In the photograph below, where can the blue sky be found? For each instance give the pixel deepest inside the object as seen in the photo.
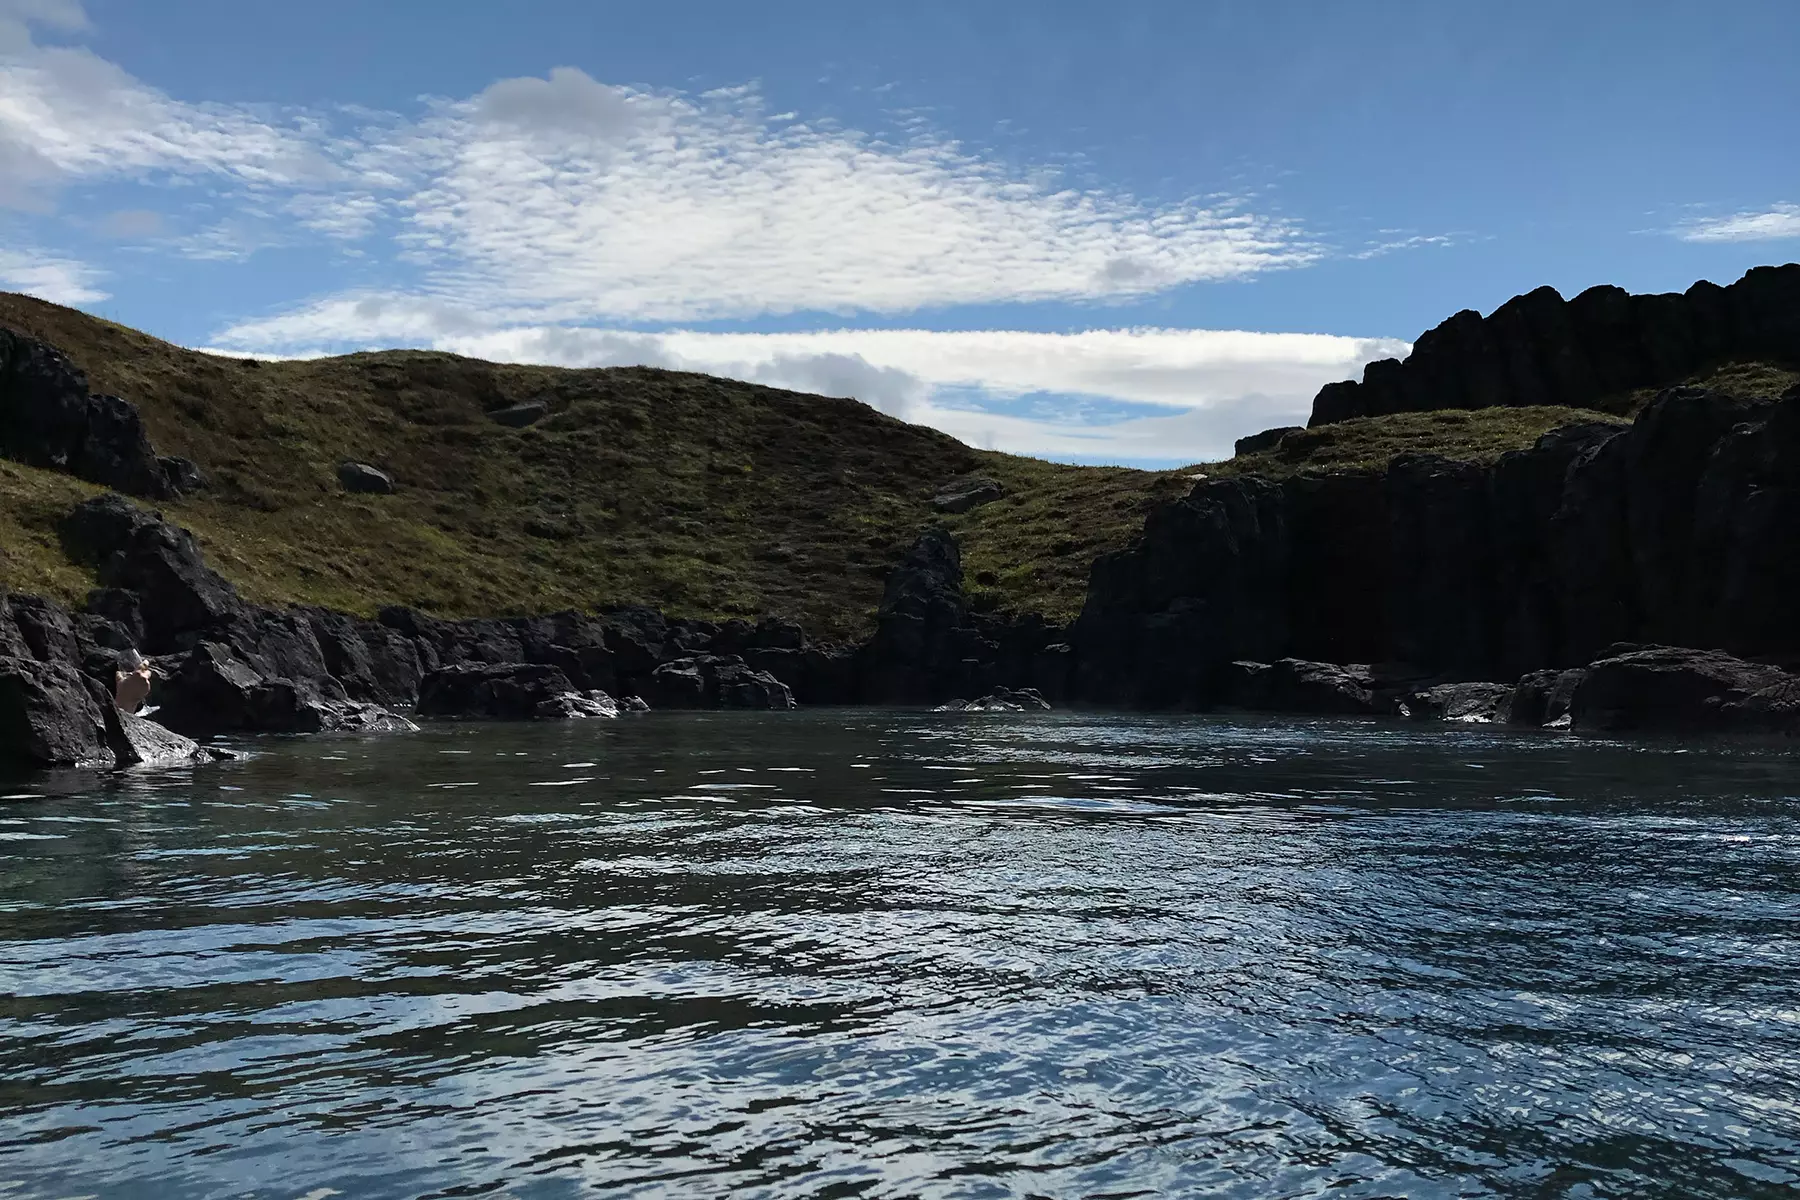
(1125, 232)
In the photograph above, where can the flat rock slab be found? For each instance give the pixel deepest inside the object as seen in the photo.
(517, 416)
(967, 494)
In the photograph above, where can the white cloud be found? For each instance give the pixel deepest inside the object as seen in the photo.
(1779, 221)
(612, 205)
(58, 280)
(17, 17)
(567, 103)
(1219, 385)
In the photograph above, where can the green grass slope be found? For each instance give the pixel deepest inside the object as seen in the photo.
(702, 496)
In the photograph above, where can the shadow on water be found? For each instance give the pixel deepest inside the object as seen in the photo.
(867, 953)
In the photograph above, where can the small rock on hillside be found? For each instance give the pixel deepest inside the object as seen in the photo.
(517, 416)
(363, 479)
(966, 494)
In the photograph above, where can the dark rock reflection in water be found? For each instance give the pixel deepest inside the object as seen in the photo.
(890, 954)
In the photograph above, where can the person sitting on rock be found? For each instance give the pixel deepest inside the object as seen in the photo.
(131, 684)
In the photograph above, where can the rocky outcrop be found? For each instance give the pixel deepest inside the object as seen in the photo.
(1683, 528)
(1538, 349)
(48, 418)
(51, 716)
(1001, 700)
(715, 681)
(1542, 698)
(1268, 439)
(212, 689)
(173, 593)
(1471, 703)
(1668, 688)
(508, 692)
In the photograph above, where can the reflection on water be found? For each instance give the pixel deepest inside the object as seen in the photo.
(888, 954)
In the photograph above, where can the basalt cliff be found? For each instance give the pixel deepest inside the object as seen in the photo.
(1607, 575)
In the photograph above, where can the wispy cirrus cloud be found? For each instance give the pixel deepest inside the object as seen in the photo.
(1777, 222)
(582, 200)
(540, 218)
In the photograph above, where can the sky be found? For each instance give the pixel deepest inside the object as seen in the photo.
(1128, 232)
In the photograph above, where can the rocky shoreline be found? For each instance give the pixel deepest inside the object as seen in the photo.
(1607, 578)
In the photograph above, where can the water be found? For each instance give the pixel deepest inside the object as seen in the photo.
(889, 954)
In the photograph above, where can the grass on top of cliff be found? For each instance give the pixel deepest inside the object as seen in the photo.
(702, 496)
(1371, 443)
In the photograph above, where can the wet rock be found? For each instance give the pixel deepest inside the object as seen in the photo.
(1670, 688)
(1295, 685)
(716, 681)
(139, 742)
(508, 692)
(517, 416)
(361, 478)
(1469, 703)
(965, 494)
(212, 690)
(52, 716)
(49, 419)
(1000, 700)
(1542, 697)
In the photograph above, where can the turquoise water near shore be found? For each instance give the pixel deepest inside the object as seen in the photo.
(857, 953)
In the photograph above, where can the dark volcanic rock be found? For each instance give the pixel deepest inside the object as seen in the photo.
(1268, 439)
(1539, 349)
(137, 742)
(1297, 686)
(1474, 703)
(49, 419)
(715, 681)
(160, 563)
(925, 648)
(1206, 584)
(361, 477)
(1678, 689)
(47, 630)
(1543, 697)
(508, 692)
(212, 690)
(182, 475)
(517, 416)
(966, 494)
(1001, 700)
(52, 716)
(1683, 528)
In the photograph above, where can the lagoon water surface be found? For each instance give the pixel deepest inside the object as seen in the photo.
(855, 953)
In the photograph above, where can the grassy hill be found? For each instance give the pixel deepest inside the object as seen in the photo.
(702, 496)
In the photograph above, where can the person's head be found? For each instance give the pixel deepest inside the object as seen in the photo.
(135, 663)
